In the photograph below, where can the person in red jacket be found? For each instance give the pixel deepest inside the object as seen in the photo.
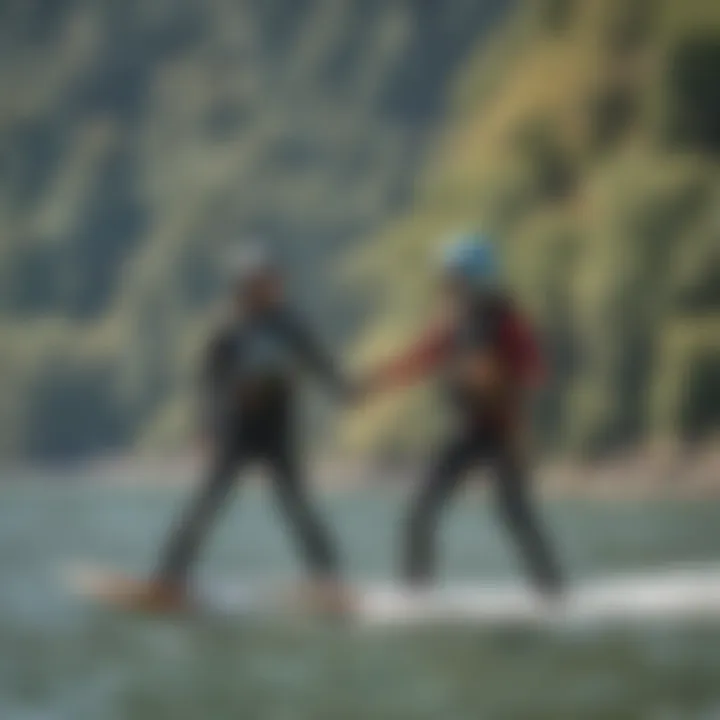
(489, 360)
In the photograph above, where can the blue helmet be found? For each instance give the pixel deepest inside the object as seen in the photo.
(471, 258)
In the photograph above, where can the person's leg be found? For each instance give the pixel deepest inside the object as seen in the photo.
(520, 516)
(445, 473)
(187, 536)
(314, 540)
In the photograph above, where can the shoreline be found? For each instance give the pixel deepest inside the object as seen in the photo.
(640, 474)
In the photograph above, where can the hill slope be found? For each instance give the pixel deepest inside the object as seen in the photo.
(586, 138)
(139, 140)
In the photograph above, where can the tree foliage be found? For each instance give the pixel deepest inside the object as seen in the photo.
(584, 139)
(139, 140)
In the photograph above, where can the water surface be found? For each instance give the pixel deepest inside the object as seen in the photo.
(60, 658)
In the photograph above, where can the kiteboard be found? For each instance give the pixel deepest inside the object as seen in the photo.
(681, 593)
(116, 589)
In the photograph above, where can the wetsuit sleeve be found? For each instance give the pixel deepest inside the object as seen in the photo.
(313, 355)
(417, 362)
(215, 372)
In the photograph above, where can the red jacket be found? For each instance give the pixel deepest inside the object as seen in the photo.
(516, 347)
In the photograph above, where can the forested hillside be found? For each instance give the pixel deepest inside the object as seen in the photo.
(138, 140)
(586, 138)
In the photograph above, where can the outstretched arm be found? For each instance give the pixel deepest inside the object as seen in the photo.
(416, 363)
(314, 356)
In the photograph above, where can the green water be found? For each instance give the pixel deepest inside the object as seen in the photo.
(61, 659)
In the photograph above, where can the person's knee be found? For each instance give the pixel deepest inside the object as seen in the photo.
(420, 518)
(514, 509)
(296, 503)
(299, 511)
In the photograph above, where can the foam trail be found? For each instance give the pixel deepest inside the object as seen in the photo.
(681, 593)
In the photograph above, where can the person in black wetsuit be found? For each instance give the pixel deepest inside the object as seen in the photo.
(248, 397)
(489, 361)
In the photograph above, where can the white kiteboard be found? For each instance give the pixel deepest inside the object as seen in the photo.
(681, 593)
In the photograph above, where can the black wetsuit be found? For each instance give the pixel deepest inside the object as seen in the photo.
(248, 397)
(485, 435)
